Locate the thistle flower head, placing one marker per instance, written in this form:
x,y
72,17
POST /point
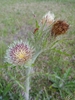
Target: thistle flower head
x,y
18,53
48,18
59,27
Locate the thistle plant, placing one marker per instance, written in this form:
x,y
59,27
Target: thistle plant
x,y
24,54
20,54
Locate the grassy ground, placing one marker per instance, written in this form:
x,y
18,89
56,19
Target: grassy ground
x,y
16,20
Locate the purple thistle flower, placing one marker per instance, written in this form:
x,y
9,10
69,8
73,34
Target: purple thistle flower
x,y
19,53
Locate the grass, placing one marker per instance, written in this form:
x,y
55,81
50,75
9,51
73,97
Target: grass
x,y
16,14
16,20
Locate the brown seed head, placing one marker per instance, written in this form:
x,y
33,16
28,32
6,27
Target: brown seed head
x,y
59,27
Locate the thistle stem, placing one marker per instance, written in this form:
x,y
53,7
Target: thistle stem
x,y
27,83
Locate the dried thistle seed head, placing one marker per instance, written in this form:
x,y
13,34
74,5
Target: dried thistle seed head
x,y
59,27
18,53
48,18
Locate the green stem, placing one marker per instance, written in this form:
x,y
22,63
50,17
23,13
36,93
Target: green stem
x,y
27,83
